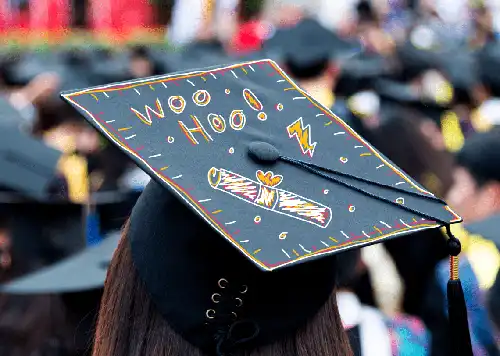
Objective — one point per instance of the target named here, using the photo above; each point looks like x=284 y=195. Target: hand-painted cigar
x=264 y=194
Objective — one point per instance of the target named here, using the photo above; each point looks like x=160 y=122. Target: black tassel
x=460 y=342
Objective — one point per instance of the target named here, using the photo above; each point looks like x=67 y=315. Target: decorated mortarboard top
x=271 y=170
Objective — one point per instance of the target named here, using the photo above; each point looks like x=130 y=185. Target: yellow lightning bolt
x=303 y=136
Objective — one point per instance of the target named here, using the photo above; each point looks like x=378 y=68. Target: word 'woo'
x=177 y=104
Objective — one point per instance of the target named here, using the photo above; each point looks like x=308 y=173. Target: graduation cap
x=46 y=229
x=253 y=183
x=487 y=228
x=460 y=68
x=488 y=58
x=480 y=154
x=28 y=166
x=361 y=72
x=308 y=45
x=83 y=271
x=108 y=66
x=414 y=61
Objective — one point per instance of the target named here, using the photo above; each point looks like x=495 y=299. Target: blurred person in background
x=448 y=21
x=201 y=19
x=482 y=25
x=251 y=30
x=370 y=331
x=476 y=196
x=60 y=129
x=369 y=29
x=142 y=64
x=285 y=13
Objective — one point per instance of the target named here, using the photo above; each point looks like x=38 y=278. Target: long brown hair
x=130 y=325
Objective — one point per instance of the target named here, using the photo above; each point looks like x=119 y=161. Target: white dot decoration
x=400 y=200
x=257 y=219
x=352 y=208
x=231 y=150
x=326 y=191
x=343 y=159
x=170 y=139
x=282 y=236
x=279 y=107
x=262 y=116
x=227 y=91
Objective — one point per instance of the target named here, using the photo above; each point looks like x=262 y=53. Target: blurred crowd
x=418 y=79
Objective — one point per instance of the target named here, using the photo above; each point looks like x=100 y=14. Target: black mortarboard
x=108 y=66
x=360 y=72
x=487 y=228
x=26 y=67
x=40 y=232
x=83 y=271
x=28 y=166
x=460 y=68
x=244 y=150
x=307 y=47
x=480 y=155
x=488 y=59
x=414 y=61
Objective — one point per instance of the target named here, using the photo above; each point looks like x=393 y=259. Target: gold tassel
x=454 y=261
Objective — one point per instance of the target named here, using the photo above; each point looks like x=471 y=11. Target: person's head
x=319 y=70
x=158 y=303
x=475 y=193
x=141 y=64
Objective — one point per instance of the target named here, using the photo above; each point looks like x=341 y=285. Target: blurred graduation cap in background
x=50 y=239
x=27 y=164
x=488 y=59
x=71 y=68
x=461 y=70
x=414 y=61
x=316 y=40
x=109 y=66
x=83 y=271
x=487 y=228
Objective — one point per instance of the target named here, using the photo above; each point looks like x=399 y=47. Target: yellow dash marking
x=257 y=251
x=216 y=212
x=288 y=89
x=329 y=123
x=95 y=97
x=296 y=253
x=365 y=154
x=204 y=79
x=377 y=229
x=331 y=238
x=244 y=70
x=163 y=168
x=153 y=89
x=414 y=220
x=125 y=128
